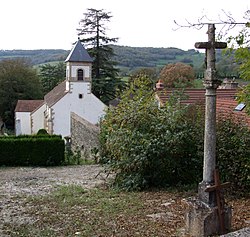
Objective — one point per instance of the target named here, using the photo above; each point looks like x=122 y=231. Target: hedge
x=31 y=150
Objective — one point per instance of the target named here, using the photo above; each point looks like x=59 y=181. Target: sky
x=52 y=24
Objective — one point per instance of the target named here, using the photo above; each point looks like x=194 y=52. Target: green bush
x=31 y=151
x=233 y=154
x=151 y=147
x=42 y=131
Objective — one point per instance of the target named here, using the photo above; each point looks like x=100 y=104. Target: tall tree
x=18 y=80
x=177 y=75
x=51 y=75
x=239 y=46
x=92 y=32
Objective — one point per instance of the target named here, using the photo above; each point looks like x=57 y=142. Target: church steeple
x=79 y=54
x=78 y=66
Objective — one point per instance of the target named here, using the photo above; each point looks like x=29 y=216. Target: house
x=71 y=96
x=226 y=104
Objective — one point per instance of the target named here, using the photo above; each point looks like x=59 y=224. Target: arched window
x=80 y=75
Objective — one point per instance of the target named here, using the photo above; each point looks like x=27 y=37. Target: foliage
x=42 y=131
x=150 y=147
x=151 y=73
x=177 y=75
x=240 y=45
x=233 y=154
x=51 y=75
x=18 y=81
x=104 y=71
x=31 y=151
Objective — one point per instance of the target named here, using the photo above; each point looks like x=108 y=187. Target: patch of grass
x=74 y=211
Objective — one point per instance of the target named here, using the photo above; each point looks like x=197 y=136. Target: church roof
x=28 y=105
x=78 y=54
x=56 y=94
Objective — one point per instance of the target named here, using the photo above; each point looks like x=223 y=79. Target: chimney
x=159 y=85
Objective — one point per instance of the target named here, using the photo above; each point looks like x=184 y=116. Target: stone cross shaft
x=211 y=84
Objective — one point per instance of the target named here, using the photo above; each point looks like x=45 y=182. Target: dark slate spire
x=78 y=54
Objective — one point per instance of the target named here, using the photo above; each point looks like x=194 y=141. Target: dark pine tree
x=105 y=74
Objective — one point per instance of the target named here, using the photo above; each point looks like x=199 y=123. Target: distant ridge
x=128 y=58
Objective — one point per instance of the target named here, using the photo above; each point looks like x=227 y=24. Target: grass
x=74 y=211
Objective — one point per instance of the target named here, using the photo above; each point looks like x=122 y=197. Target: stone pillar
x=203 y=217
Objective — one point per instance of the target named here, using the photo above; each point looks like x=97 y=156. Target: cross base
x=209 y=198
x=203 y=220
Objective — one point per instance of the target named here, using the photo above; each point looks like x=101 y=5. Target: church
x=71 y=96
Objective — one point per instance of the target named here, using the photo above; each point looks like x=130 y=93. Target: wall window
x=80 y=96
x=80 y=75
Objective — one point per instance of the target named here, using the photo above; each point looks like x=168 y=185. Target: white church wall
x=61 y=117
x=89 y=106
x=81 y=102
x=23 y=123
x=37 y=119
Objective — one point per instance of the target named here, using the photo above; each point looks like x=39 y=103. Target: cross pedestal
x=203 y=218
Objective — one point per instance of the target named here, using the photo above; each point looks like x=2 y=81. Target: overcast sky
x=51 y=24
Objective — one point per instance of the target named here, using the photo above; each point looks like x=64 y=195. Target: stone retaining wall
x=84 y=136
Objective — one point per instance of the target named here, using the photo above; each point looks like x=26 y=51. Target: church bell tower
x=78 y=67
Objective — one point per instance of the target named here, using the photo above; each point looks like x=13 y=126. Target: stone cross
x=211 y=84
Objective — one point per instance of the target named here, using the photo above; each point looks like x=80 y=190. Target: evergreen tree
x=92 y=32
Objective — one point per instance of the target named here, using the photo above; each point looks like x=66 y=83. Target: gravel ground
x=16 y=184
x=21 y=182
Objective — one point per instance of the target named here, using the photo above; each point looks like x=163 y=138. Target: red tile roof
x=28 y=105
x=225 y=102
x=225 y=108
x=194 y=96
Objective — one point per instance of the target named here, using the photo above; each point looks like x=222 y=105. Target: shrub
x=31 y=150
x=150 y=147
x=233 y=154
x=147 y=146
x=42 y=131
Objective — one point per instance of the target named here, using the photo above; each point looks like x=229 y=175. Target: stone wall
x=84 y=136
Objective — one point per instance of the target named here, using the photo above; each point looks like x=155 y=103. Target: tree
x=240 y=45
x=104 y=72
x=150 y=73
x=51 y=75
x=18 y=80
x=177 y=75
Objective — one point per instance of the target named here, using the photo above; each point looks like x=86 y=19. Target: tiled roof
x=225 y=108
x=56 y=94
x=78 y=54
x=225 y=102
x=28 y=105
x=194 y=96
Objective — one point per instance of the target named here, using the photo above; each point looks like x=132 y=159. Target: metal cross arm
x=217 y=188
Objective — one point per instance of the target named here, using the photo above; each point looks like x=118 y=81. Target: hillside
x=128 y=58
x=35 y=56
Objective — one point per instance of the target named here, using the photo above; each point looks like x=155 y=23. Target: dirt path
x=16 y=184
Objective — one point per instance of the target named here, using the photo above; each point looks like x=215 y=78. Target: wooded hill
x=130 y=58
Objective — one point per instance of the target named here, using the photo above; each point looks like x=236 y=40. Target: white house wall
x=24 y=124
x=37 y=119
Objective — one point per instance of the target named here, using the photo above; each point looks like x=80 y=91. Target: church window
x=80 y=75
x=80 y=96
